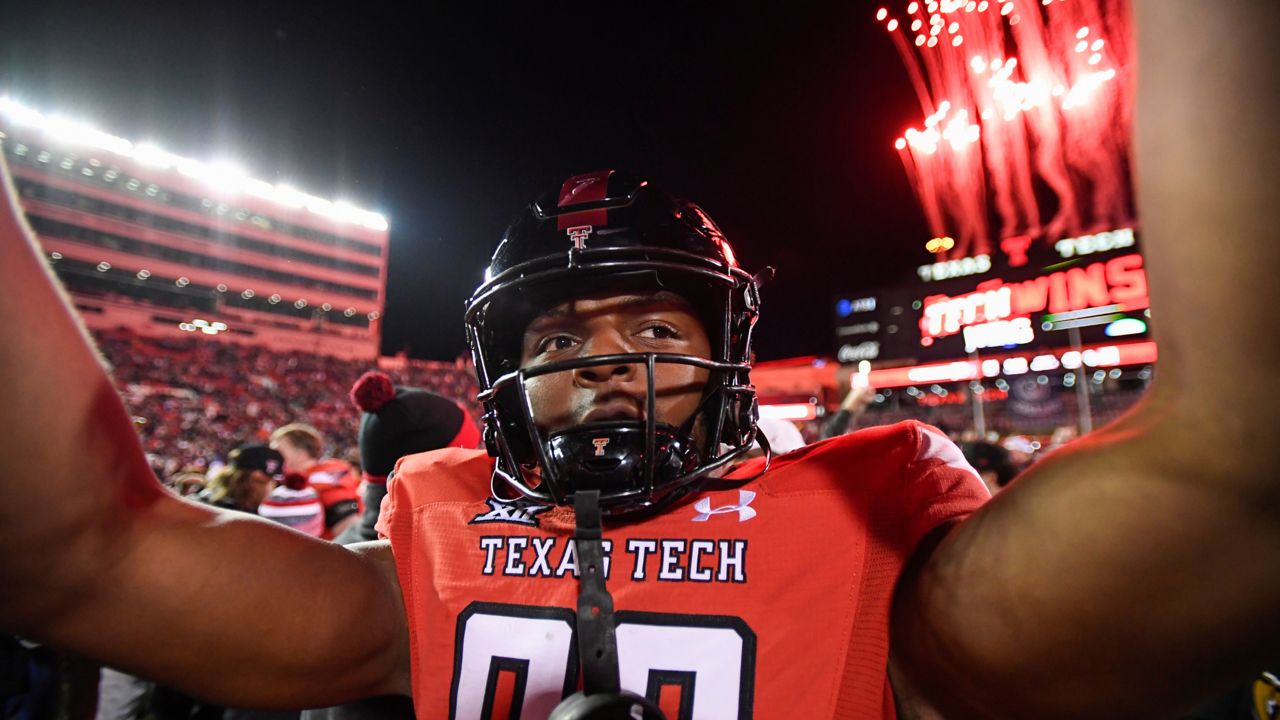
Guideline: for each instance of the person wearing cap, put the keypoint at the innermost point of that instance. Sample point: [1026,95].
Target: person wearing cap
[246,480]
[395,422]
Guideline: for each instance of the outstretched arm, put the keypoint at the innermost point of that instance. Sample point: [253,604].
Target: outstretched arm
[1136,571]
[97,557]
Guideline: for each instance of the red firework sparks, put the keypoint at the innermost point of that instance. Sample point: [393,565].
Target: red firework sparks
[1021,97]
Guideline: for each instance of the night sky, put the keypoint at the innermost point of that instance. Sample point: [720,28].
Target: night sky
[778,119]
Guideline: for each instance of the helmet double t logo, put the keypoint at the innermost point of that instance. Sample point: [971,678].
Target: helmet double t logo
[600,444]
[579,235]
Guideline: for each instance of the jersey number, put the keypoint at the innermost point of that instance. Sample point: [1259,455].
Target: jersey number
[517,661]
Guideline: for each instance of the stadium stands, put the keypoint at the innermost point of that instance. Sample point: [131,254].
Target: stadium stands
[194,400]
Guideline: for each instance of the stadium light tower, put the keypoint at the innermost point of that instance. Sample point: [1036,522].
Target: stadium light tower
[154,241]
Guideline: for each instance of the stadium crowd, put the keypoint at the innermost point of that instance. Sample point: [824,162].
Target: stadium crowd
[193,401]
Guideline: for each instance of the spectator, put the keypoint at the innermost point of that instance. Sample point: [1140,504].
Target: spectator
[242,485]
[397,422]
[245,482]
[302,447]
[296,504]
[1021,449]
[121,696]
[851,408]
[187,483]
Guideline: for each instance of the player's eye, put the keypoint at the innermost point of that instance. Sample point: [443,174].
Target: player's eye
[660,331]
[555,343]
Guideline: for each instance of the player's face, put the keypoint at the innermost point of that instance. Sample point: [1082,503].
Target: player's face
[604,325]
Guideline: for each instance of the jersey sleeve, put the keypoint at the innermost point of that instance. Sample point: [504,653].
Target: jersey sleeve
[339,503]
[447,474]
[388,508]
[338,487]
[941,486]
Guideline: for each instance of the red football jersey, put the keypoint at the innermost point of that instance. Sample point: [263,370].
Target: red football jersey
[770,599]
[336,484]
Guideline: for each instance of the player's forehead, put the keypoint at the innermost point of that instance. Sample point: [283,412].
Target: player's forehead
[622,304]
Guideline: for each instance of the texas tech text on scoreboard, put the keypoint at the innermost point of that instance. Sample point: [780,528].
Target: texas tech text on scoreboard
[165,245]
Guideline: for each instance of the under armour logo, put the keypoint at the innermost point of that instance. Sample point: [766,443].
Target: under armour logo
[600,444]
[516,512]
[743,508]
[579,235]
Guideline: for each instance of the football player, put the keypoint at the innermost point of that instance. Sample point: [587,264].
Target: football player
[611,340]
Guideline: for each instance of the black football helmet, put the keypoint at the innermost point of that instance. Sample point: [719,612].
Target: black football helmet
[608,232]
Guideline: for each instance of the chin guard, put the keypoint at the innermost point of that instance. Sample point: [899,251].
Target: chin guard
[611,456]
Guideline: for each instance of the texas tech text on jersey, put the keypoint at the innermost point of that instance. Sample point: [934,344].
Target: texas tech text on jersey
[662,559]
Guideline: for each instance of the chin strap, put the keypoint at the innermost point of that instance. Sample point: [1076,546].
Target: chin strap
[597,644]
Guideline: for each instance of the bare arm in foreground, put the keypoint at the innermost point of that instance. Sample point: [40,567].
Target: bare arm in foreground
[1136,571]
[98,558]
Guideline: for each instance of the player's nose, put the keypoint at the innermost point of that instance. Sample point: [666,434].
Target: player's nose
[607,343]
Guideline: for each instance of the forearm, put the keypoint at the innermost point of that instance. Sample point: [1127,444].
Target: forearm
[1206,176]
[1107,582]
[235,609]
[837,424]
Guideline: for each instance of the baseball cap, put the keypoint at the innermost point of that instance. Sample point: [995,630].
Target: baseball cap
[257,457]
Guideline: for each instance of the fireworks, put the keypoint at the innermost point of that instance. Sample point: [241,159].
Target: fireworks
[1026,107]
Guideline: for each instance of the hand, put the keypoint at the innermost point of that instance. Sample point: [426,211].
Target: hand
[858,398]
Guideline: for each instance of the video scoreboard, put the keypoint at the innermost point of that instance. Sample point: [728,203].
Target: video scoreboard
[1028,298]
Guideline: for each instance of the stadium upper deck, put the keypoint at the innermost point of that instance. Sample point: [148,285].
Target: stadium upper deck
[165,245]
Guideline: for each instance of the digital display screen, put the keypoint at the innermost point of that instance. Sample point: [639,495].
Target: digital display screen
[1028,299]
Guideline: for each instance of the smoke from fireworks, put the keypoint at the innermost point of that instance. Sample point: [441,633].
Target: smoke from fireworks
[1022,98]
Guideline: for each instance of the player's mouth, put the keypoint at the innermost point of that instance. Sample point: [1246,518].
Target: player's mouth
[620,409]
